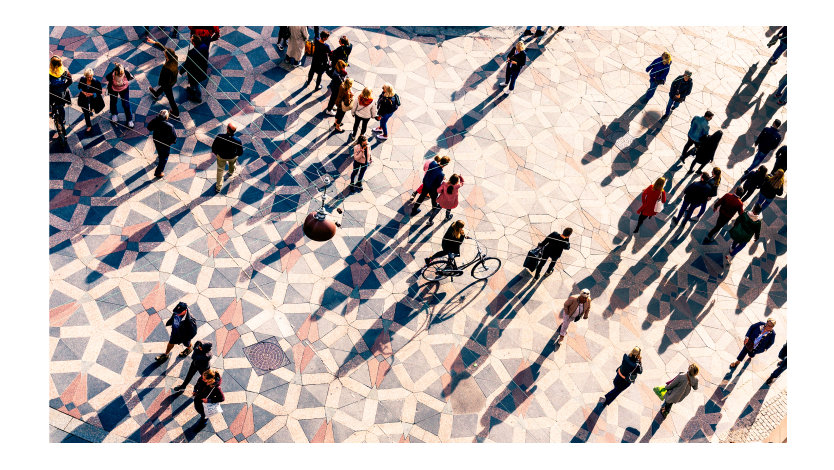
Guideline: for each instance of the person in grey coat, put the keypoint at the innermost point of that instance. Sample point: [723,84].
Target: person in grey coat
[679,387]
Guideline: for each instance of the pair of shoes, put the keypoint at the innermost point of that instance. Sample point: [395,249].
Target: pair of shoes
[339,131]
[539,33]
[280,46]
[130,124]
[777,94]
[161,357]
[185,352]
[382,137]
[506,91]
[159,175]
[217,187]
[330,112]
[378,129]
[548,272]
[503,84]
[114,117]
[770,380]
[560,29]
[180,387]
[734,364]
[527,32]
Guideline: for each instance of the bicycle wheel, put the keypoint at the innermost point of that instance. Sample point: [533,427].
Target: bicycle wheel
[435,271]
[486,268]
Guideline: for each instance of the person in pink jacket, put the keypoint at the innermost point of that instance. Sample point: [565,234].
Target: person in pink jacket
[361,160]
[447,195]
[575,307]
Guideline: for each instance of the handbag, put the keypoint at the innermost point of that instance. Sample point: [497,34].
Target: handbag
[346,107]
[658,206]
[212,409]
[309,47]
[98,103]
[660,392]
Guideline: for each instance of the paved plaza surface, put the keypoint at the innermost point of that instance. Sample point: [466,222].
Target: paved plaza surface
[343,341]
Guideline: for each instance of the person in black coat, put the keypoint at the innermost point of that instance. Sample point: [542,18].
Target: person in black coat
[752,181]
[694,195]
[164,137]
[768,139]
[200,359]
[552,248]
[342,52]
[167,77]
[705,152]
[630,367]
[183,330]
[452,240]
[781,367]
[516,59]
[781,159]
[321,59]
[59,82]
[337,75]
[759,338]
[226,149]
[207,390]
[195,68]
[680,89]
[89,97]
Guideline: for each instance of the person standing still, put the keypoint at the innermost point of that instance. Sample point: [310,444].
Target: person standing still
[768,139]
[344,103]
[118,83]
[781,367]
[782,37]
[679,387]
[727,207]
[295,48]
[431,182]
[574,308]
[362,112]
[89,97]
[59,81]
[552,248]
[631,366]
[516,59]
[759,338]
[337,75]
[746,226]
[183,330]
[342,52]
[361,160]
[386,105]
[164,137]
[698,129]
[658,70]
[681,88]
[694,195]
[226,149]
[200,359]
[321,59]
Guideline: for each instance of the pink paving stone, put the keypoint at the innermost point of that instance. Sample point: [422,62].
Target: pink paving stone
[405,439]
[309,330]
[76,392]
[307,354]
[276,172]
[60,314]
[202,161]
[513,160]
[577,343]
[527,177]
[522,401]
[63,199]
[233,315]
[359,272]
[381,372]
[324,433]
[180,172]
[289,258]
[223,219]
[155,298]
[89,187]
[213,246]
[243,423]
[375,56]
[111,244]
[226,339]
[145,324]
[137,231]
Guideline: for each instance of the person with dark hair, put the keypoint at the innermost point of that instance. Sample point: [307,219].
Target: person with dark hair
[90,98]
[759,338]
[207,34]
[658,70]
[768,139]
[750,182]
[452,240]
[431,182]
[727,207]
[705,151]
[576,307]
[361,160]
[342,52]
[337,74]
[59,82]
[782,37]
[714,182]
[678,388]
[680,89]
[746,226]
[552,248]
[207,390]
[781,367]
[698,129]
[226,149]
[447,195]
[167,77]
[195,68]
[649,201]
[694,195]
[781,159]
[516,59]
[118,84]
[321,59]
[630,367]
[200,359]
[183,330]
[164,137]
[344,103]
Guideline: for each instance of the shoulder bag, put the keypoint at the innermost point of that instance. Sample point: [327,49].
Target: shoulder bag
[212,409]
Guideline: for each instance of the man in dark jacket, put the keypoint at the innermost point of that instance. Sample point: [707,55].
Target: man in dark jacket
[321,59]
[728,207]
[163,138]
[200,359]
[226,148]
[783,364]
[196,67]
[431,182]
[768,139]
[658,70]
[183,330]
[681,88]
[694,195]
[631,366]
[759,338]
[552,247]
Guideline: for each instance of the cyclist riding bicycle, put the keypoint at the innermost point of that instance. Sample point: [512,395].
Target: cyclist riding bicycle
[59,82]
[451,243]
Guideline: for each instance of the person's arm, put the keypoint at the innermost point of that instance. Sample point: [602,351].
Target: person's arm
[238,148]
[675,383]
[218,395]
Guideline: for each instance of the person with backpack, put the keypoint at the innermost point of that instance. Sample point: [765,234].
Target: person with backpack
[680,89]
[694,195]
[678,388]
[768,139]
[337,75]
[342,52]
[207,390]
[387,104]
[195,68]
[727,207]
[200,359]
[746,226]
[362,111]
[705,151]
[575,307]
[164,137]
[650,197]
[714,182]
[431,182]
[630,367]
[59,82]
[447,196]
[361,159]
[118,86]
[658,70]
[283,37]
[321,59]
[167,77]
[551,248]
[698,130]
[773,186]
[759,338]
[750,182]
[183,330]
[344,103]
[90,97]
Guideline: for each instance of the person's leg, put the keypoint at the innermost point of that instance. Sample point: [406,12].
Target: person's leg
[221,168]
[740,357]
[757,160]
[340,115]
[760,200]
[124,95]
[652,88]
[114,114]
[164,355]
[362,168]
[318,78]
[685,151]
[783,99]
[423,195]
[691,166]
[539,266]
[766,203]
[684,209]
[383,124]
[198,405]
[87,119]
[355,172]
[551,267]
[721,222]
[356,120]
[192,369]
[169,93]
[640,221]
[232,163]
[736,247]
[331,101]
[513,77]
[563,328]
[748,191]
[620,384]
[433,196]
[669,106]
[163,160]
[507,76]
[701,208]
[365,125]
[310,75]
[783,83]
[782,47]
[782,367]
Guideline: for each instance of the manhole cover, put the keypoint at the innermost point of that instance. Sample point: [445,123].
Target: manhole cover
[266,356]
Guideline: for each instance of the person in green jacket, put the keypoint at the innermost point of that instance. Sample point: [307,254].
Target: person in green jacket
[746,226]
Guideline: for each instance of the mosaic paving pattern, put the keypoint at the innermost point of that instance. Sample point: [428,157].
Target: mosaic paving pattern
[373,353]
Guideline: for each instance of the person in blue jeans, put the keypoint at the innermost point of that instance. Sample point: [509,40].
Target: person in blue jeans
[681,88]
[698,130]
[782,36]
[658,70]
[516,59]
[694,195]
[386,105]
[773,186]
[768,139]
[781,92]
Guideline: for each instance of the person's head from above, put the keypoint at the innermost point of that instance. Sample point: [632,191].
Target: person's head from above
[584,295]
[716,172]
[341,66]
[231,127]
[444,160]
[367,93]
[164,114]
[519,46]
[708,115]
[635,353]
[324,34]
[181,309]
[704,176]
[344,41]
[659,183]
[348,83]
[778,174]
[776,124]
[454,179]
[457,228]
[210,376]
[118,69]
[567,232]
[687,75]
[195,40]
[362,140]
[757,209]
[693,369]
[666,58]
[55,63]
[769,324]
[203,347]
[762,171]
[88,74]
[388,90]
[739,191]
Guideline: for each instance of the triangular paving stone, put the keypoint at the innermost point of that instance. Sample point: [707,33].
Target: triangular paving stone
[70,349]
[282,435]
[277,394]
[112,357]
[313,396]
[310,427]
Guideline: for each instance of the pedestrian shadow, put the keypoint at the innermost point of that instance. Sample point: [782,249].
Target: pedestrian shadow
[608,134]
[517,392]
[587,428]
[778,298]
[759,273]
[771,30]
[748,415]
[653,427]
[628,158]
[701,427]
[638,278]
[456,132]
[765,108]
[743,99]
[477,77]
[597,282]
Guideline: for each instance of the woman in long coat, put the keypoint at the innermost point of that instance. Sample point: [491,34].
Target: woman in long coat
[679,387]
[574,307]
[649,199]
[295,48]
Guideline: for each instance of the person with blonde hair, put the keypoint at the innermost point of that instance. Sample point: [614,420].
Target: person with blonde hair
[362,111]
[59,82]
[386,105]
[516,59]
[658,70]
[344,102]
[759,338]
[89,97]
[774,185]
[678,388]
[630,367]
[650,198]
[576,307]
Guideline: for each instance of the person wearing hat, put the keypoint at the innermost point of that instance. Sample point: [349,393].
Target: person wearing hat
[199,363]
[631,366]
[183,330]
[575,307]
[681,88]
[759,338]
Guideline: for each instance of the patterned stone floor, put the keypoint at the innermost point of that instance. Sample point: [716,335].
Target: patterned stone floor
[373,353]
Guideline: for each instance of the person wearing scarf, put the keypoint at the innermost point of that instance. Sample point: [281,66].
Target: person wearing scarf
[59,82]
[362,111]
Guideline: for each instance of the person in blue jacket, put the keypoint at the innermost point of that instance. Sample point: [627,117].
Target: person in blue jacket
[759,338]
[681,88]
[431,182]
[658,70]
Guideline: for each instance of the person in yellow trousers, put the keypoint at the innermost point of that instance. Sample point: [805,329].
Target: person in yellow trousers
[226,148]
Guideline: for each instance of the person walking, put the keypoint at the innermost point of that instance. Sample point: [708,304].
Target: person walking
[386,106]
[552,248]
[574,308]
[694,195]
[207,34]
[773,186]
[167,77]
[516,59]
[678,388]
[768,139]
[207,390]
[452,240]
[781,159]
[649,202]
[226,149]
[705,151]
[432,180]
[781,93]
[283,37]
[337,75]
[342,52]
[164,137]
[361,159]
[118,86]
[698,129]
[746,226]
[362,111]
[680,89]
[183,330]
[447,196]
[759,338]
[781,367]
[630,367]
[782,37]
[295,48]
[196,68]
[750,182]
[59,96]
[714,182]
[344,103]
[200,359]
[90,97]
[658,70]
[321,59]
[727,207]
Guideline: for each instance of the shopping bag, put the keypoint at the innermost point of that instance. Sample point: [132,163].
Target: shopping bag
[660,392]
[212,409]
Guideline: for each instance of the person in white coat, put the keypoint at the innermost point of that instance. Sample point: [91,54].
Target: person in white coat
[295,48]
[362,111]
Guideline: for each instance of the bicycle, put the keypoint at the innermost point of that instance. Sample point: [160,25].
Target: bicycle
[59,126]
[484,266]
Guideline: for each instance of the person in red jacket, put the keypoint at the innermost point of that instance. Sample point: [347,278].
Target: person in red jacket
[728,207]
[651,196]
